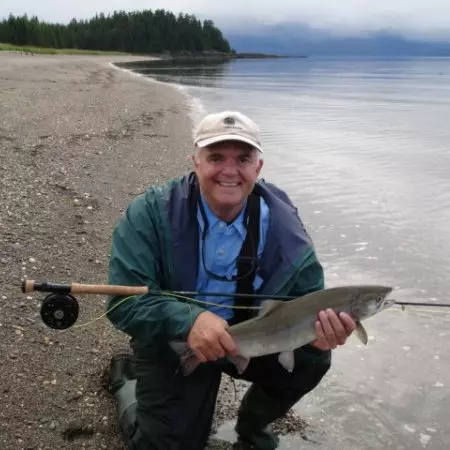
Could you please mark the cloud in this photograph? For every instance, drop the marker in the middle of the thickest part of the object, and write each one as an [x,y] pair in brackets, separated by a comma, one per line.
[416,17]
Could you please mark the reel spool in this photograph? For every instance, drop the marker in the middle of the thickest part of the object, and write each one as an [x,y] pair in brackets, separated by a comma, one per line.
[59,311]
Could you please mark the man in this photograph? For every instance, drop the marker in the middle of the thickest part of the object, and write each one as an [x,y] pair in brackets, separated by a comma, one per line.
[217,229]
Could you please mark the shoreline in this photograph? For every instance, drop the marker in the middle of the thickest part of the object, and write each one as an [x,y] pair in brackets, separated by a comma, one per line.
[196,107]
[79,139]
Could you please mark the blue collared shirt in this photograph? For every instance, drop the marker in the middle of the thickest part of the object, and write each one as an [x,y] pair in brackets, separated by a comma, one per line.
[223,243]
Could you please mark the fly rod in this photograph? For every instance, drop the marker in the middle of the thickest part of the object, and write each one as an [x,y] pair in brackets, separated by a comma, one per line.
[111,289]
[60,309]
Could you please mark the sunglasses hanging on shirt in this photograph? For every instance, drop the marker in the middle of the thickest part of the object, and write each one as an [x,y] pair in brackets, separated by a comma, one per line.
[246,261]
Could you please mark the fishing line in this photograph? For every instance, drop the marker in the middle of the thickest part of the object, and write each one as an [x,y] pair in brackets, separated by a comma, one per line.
[90,322]
[403,305]
[438,305]
[168,294]
[417,310]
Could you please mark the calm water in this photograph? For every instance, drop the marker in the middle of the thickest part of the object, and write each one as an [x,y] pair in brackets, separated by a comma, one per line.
[363,148]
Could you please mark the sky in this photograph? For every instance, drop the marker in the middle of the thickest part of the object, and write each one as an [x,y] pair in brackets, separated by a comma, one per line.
[412,18]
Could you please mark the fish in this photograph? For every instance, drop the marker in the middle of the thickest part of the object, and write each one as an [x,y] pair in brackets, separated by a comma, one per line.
[282,326]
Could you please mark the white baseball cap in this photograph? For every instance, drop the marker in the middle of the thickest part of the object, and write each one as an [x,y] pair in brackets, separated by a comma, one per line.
[227,126]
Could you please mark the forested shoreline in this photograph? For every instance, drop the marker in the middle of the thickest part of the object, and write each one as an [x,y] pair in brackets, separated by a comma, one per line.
[139,32]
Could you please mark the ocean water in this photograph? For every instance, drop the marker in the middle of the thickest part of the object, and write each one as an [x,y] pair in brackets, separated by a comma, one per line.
[363,148]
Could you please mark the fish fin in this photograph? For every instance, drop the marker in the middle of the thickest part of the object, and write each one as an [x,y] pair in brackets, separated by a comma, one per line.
[241,362]
[361,333]
[188,359]
[286,359]
[268,306]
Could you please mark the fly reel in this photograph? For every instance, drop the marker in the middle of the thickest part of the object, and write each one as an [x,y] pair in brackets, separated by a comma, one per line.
[59,310]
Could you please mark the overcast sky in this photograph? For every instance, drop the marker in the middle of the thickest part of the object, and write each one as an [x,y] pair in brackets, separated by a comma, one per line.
[410,17]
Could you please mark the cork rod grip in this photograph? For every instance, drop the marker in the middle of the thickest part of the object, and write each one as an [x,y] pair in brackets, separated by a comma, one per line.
[107,289]
[77,288]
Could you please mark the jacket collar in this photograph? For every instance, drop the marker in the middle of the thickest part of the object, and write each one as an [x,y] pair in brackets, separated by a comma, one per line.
[286,240]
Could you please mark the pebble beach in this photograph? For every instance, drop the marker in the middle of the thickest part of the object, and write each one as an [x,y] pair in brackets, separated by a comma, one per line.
[79,139]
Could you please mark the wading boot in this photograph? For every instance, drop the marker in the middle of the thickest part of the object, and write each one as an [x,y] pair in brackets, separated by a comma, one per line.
[256,412]
[266,439]
[122,384]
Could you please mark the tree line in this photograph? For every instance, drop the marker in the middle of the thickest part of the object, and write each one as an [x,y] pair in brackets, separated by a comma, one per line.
[133,32]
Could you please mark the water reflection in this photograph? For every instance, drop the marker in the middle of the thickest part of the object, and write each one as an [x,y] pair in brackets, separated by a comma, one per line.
[206,73]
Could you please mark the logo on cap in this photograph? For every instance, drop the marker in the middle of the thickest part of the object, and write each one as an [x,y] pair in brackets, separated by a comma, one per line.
[229,121]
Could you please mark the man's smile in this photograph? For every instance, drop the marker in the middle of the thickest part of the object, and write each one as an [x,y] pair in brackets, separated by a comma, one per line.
[228,184]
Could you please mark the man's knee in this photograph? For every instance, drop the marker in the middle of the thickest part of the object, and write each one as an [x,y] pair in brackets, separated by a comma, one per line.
[173,412]
[311,365]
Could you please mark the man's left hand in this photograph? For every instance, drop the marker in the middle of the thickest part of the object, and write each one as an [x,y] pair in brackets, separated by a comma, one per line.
[332,329]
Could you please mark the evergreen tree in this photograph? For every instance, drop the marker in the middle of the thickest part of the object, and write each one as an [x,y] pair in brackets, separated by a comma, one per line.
[134,32]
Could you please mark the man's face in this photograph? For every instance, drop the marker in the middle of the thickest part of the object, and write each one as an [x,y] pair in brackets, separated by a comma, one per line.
[227,172]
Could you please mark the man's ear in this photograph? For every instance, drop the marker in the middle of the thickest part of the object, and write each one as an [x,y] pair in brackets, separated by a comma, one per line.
[194,159]
[260,166]
[196,154]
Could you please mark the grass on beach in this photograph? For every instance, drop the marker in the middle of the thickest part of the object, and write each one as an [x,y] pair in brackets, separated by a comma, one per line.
[53,51]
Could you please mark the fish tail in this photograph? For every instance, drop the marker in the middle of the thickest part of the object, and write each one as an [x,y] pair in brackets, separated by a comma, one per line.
[188,360]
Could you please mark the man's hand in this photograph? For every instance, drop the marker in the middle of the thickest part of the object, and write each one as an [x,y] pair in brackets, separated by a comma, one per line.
[332,329]
[209,339]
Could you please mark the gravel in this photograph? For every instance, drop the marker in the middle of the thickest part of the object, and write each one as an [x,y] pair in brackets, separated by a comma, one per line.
[78,140]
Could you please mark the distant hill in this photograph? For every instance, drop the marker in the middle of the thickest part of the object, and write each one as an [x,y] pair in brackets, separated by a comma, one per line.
[300,40]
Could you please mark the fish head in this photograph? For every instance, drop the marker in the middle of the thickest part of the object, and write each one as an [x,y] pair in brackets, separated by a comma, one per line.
[369,300]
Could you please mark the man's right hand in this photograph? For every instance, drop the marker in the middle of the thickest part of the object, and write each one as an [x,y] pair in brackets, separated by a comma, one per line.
[209,339]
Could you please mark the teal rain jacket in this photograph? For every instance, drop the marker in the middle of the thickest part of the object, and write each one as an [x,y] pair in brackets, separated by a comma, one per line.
[155,244]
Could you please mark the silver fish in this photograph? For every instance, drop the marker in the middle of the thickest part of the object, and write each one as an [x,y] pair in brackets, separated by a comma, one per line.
[283,326]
